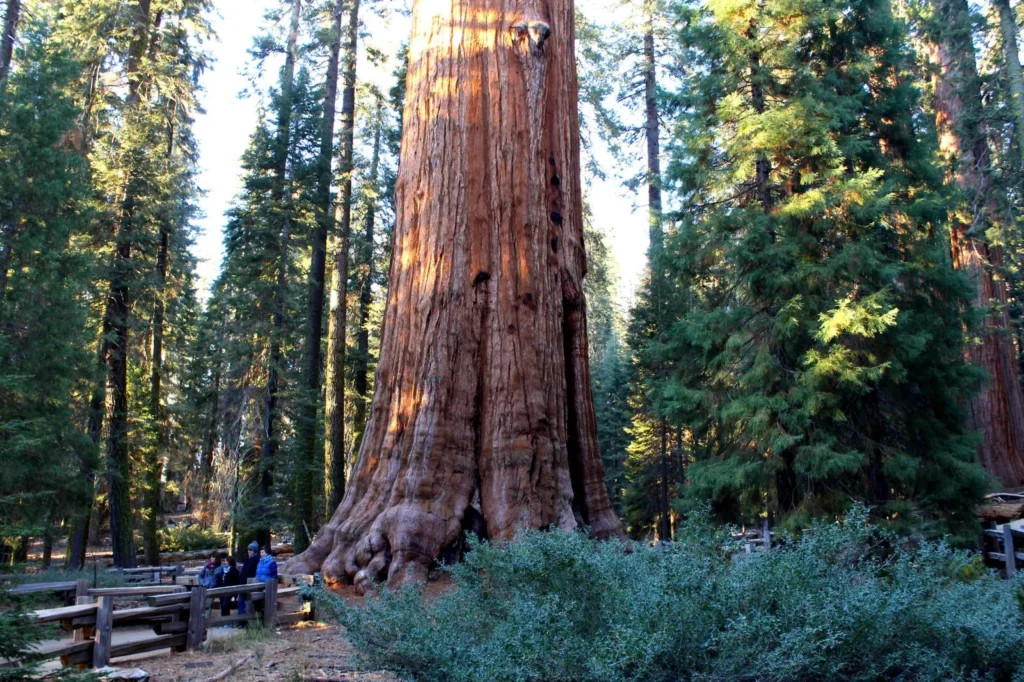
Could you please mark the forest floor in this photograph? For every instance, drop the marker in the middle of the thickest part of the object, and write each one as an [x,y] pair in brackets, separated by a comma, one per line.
[308,652]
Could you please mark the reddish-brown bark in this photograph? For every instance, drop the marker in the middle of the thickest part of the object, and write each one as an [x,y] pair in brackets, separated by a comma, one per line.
[997,411]
[483,388]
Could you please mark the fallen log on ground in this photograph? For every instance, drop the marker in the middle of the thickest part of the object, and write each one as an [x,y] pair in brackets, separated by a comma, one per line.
[1001,512]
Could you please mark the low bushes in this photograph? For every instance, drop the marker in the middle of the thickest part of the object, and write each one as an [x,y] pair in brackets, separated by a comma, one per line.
[190,539]
[845,603]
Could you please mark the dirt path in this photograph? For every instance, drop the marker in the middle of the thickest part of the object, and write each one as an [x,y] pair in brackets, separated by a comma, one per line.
[310,652]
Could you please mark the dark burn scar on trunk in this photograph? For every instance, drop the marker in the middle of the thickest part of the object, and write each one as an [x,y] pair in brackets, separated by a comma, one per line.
[481,277]
[554,244]
[556,217]
[556,181]
[528,300]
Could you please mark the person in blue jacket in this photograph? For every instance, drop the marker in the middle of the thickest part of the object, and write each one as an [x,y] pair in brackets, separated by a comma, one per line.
[208,576]
[267,568]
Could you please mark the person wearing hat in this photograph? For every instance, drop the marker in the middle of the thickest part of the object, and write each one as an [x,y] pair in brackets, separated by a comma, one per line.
[248,571]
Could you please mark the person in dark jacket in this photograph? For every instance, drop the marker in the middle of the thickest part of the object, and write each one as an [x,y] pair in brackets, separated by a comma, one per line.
[247,572]
[227,576]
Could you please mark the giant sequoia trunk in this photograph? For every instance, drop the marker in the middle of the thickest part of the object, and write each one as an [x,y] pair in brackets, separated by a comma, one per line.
[482,409]
[997,411]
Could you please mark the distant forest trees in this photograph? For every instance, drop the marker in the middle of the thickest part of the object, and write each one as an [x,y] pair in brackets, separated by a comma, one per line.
[831,313]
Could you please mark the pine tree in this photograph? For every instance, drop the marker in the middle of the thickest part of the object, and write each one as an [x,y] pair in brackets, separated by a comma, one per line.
[819,356]
[46,209]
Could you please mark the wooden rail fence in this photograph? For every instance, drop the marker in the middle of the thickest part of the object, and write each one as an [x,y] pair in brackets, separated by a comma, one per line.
[179,617]
[1004,548]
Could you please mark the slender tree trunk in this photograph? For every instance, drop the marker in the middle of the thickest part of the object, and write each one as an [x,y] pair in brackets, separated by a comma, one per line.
[483,389]
[361,381]
[12,16]
[116,319]
[282,209]
[997,411]
[652,131]
[664,517]
[306,435]
[1014,74]
[154,469]
[209,448]
[334,406]
[9,229]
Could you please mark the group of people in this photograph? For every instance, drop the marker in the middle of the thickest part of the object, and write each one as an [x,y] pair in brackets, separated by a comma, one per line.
[223,571]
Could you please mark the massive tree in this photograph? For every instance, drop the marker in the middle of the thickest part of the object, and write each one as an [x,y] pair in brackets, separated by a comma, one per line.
[997,411]
[483,414]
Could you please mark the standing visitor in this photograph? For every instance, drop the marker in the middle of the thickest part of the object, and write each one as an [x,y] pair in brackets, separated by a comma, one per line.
[208,576]
[267,568]
[228,576]
[247,572]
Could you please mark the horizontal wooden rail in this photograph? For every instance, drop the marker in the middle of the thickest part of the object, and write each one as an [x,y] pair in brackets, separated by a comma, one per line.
[145,591]
[35,588]
[63,614]
[180,620]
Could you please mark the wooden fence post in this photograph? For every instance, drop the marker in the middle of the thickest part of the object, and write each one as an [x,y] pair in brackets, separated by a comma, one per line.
[196,619]
[1008,550]
[85,632]
[270,603]
[102,639]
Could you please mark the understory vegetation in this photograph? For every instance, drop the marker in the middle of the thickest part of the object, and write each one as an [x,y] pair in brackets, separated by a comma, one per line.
[191,538]
[846,601]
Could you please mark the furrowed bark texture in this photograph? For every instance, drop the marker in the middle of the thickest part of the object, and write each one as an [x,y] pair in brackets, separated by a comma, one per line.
[997,411]
[483,388]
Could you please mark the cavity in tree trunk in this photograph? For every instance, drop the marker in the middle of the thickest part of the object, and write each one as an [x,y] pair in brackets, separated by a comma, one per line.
[283,219]
[306,426]
[483,403]
[997,411]
[334,405]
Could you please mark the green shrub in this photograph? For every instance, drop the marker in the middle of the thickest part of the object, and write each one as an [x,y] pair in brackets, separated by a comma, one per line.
[845,603]
[190,539]
[16,636]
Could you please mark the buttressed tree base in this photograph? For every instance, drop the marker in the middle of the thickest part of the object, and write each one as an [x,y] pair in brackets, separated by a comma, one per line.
[483,398]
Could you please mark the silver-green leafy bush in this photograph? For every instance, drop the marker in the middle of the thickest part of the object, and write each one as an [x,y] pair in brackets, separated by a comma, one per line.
[843,603]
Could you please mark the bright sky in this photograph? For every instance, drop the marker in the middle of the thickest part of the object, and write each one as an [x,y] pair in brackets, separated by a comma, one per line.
[223,133]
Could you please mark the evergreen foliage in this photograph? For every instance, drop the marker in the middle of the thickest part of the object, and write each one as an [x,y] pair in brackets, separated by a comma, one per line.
[847,602]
